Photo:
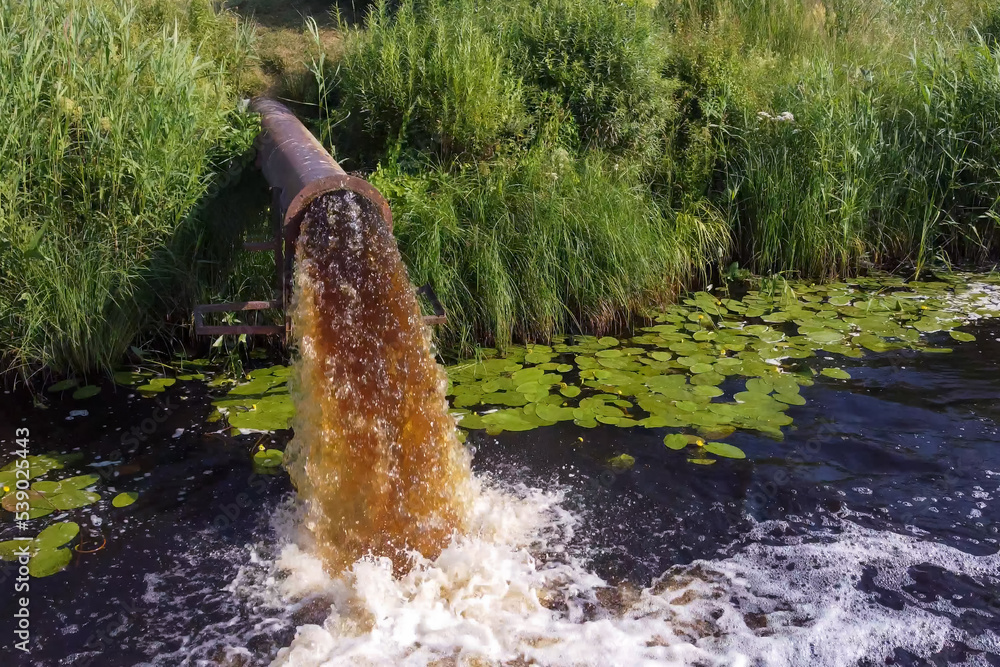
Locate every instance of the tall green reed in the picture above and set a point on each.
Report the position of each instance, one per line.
(114, 127)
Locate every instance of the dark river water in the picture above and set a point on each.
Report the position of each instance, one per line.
(868, 536)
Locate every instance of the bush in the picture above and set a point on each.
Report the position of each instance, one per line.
(432, 78)
(601, 61)
(113, 130)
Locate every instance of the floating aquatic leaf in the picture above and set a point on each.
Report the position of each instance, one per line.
(675, 441)
(725, 450)
(78, 482)
(72, 499)
(125, 498)
(11, 549)
(509, 420)
(527, 375)
(553, 413)
(49, 561)
(836, 373)
(157, 385)
(127, 378)
(570, 391)
(716, 431)
(268, 413)
(63, 385)
(34, 498)
(702, 462)
(86, 392)
(622, 462)
(825, 336)
(790, 399)
(56, 535)
(962, 336)
(46, 487)
(269, 458)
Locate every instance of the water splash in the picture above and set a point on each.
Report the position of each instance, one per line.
(843, 596)
(375, 457)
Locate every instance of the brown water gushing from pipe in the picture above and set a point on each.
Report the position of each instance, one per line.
(374, 456)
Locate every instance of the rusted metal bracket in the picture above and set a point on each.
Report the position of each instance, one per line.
(236, 306)
(299, 170)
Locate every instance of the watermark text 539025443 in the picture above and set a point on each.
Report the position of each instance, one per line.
(22, 586)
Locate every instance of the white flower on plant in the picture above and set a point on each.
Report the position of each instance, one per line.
(783, 117)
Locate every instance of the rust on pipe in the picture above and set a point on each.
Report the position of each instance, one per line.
(297, 166)
(299, 170)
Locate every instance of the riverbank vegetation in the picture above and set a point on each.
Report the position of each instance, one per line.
(117, 117)
(552, 164)
(812, 138)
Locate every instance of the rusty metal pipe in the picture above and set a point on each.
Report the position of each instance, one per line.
(297, 166)
(299, 170)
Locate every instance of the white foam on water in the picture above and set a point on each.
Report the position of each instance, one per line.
(511, 593)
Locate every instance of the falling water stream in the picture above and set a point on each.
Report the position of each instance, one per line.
(374, 458)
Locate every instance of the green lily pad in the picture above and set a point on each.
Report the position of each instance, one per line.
(11, 549)
(724, 450)
(72, 499)
(124, 499)
(78, 482)
(63, 385)
(86, 392)
(962, 336)
(34, 499)
(702, 462)
(675, 441)
(622, 462)
(127, 378)
(790, 399)
(269, 458)
(49, 561)
(56, 535)
(157, 385)
(836, 373)
(46, 487)
(553, 413)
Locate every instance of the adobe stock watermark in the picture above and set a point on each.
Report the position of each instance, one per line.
(22, 579)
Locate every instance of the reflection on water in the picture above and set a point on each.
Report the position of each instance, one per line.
(868, 536)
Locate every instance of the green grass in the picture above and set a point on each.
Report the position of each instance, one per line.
(116, 116)
(888, 161)
(665, 113)
(549, 243)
